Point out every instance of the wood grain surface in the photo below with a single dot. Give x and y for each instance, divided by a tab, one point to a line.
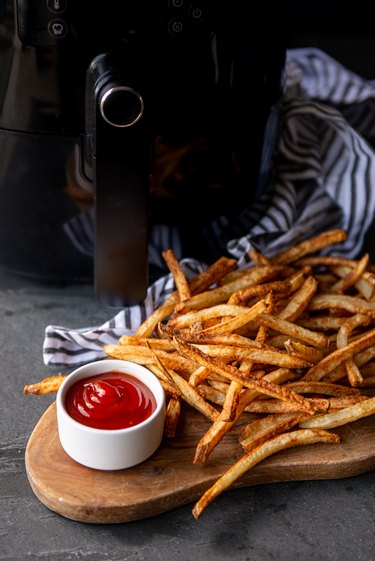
169	478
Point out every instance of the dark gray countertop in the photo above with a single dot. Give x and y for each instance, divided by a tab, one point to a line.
313	520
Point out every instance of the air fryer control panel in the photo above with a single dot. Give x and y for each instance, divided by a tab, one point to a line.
43	23
53	22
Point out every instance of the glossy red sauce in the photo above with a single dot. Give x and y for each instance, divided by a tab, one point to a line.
112	400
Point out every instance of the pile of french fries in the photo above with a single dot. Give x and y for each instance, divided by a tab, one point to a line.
287	345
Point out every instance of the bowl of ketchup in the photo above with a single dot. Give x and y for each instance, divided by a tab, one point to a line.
110	414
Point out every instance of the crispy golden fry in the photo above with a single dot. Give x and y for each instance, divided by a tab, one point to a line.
153	342
260	430
322	323
300	300
172	416
303	351
329	362
48	385
198	337
218	311
192	397
311	245
293	330
325	388
287	286
257	257
272	406
342	417
276	444
240	320
179	277
354	376
353	276
365	285
143	355
230	405
342	302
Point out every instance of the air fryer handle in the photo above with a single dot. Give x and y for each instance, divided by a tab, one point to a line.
117	137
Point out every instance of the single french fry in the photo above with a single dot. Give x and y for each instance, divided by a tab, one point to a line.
172	416
365	285
45	386
342	302
238	321
181	282
259	430
153	342
286	286
272	406
353	277
293	330
311	245
281	442
331	361
229	409
143	355
322	323
354	375
300	300
257	257
342	417
305	352
324	388
218	311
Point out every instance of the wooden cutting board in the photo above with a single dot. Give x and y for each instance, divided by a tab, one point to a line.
169	478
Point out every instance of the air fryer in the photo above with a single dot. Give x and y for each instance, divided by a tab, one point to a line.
119	116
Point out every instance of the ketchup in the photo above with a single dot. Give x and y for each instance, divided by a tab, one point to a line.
112	400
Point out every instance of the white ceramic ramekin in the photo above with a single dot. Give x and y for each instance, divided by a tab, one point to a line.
111	449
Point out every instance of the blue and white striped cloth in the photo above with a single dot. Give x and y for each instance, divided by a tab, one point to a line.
323	178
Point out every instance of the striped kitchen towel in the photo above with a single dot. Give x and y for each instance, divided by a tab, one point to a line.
323	178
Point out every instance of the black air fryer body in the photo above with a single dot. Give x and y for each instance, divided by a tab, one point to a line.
89	92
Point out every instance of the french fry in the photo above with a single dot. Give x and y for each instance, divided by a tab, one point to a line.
329	362
342	302
238	321
342	417
281	442
353	276
306	352
287	286
172	416
179	277
293	330
309	246
259	430
354	376
48	385
300	300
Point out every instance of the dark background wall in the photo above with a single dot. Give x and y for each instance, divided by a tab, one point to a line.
344	30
